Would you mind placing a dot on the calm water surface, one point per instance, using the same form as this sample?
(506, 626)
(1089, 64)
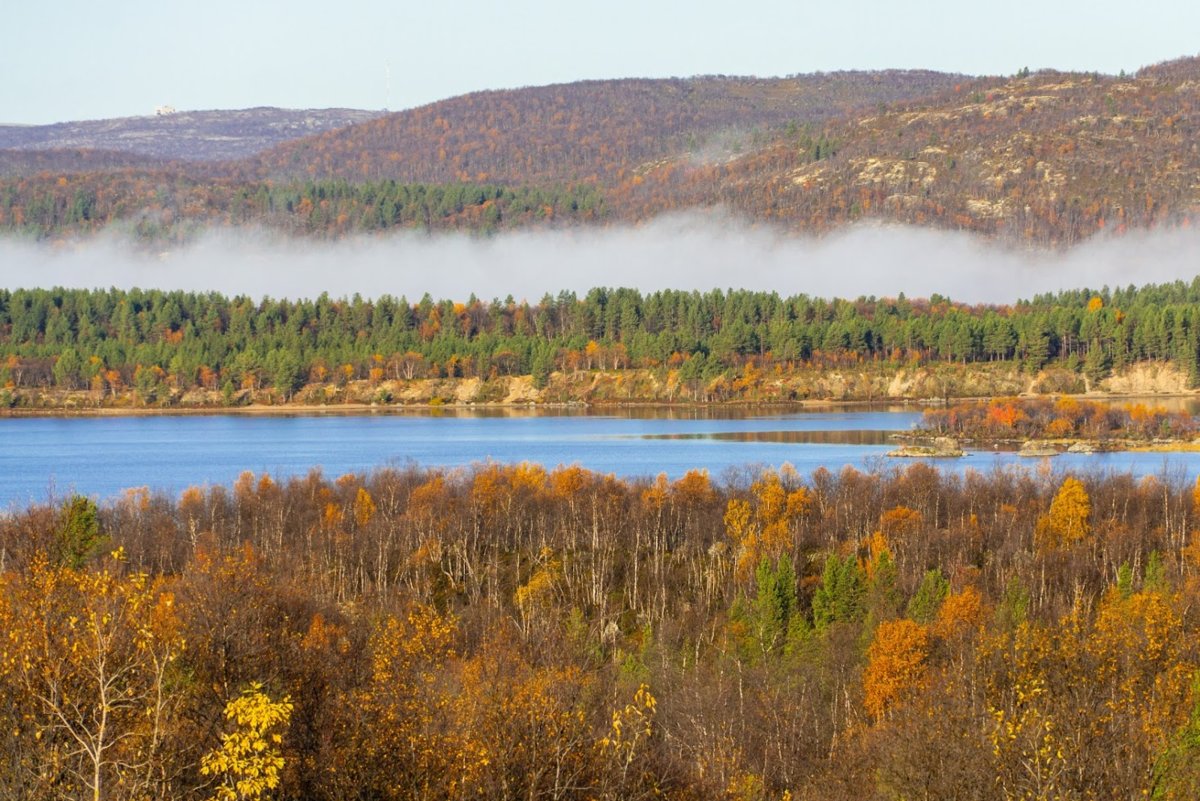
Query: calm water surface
(101, 456)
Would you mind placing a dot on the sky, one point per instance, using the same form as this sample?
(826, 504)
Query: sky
(79, 59)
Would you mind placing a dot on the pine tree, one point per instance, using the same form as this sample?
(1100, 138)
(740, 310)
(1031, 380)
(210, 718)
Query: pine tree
(924, 606)
(78, 532)
(842, 595)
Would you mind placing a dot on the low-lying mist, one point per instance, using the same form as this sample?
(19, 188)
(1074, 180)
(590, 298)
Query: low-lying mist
(672, 253)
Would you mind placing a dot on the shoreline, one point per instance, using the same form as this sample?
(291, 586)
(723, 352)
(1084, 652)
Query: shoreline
(527, 406)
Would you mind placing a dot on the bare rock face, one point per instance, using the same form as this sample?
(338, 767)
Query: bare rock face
(1148, 379)
(1081, 447)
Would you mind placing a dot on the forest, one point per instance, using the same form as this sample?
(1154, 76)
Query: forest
(509, 631)
(153, 208)
(162, 344)
(1045, 159)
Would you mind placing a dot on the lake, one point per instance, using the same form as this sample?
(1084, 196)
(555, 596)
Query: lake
(101, 456)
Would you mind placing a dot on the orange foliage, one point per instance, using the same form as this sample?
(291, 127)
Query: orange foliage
(895, 664)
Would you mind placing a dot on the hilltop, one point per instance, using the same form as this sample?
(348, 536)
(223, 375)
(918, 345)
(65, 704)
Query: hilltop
(189, 135)
(585, 131)
(1049, 158)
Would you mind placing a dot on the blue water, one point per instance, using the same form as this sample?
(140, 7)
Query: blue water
(100, 456)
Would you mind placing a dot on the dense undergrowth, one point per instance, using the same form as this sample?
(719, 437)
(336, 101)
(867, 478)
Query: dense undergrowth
(512, 632)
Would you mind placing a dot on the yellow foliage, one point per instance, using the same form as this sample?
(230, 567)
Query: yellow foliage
(566, 482)
(694, 488)
(1137, 644)
(1025, 740)
(764, 529)
(248, 760)
(539, 591)
(656, 495)
(88, 653)
(900, 521)
(528, 476)
(520, 726)
(332, 516)
(404, 704)
(364, 507)
(631, 726)
(877, 546)
(1067, 522)
(960, 612)
(895, 663)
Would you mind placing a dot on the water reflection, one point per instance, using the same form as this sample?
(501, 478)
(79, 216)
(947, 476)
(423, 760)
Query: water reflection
(815, 437)
(625, 412)
(103, 455)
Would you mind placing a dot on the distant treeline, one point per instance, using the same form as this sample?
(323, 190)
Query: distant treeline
(153, 340)
(1061, 418)
(512, 632)
(159, 206)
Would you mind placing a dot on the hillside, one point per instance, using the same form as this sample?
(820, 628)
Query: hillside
(17, 164)
(1045, 159)
(188, 135)
(1049, 158)
(591, 130)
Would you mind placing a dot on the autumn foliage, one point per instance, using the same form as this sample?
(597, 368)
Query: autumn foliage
(1061, 418)
(512, 631)
(1047, 159)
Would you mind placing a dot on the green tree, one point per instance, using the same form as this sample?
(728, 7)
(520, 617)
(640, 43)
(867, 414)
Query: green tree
(774, 603)
(1177, 770)
(78, 537)
(66, 369)
(841, 598)
(924, 606)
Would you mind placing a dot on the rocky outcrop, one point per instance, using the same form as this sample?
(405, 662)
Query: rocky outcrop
(1037, 449)
(942, 448)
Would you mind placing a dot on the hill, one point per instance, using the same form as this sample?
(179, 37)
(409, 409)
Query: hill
(1048, 158)
(1045, 159)
(585, 131)
(188, 135)
(15, 164)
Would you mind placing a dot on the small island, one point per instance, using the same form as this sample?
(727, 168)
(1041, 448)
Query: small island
(940, 448)
(1040, 427)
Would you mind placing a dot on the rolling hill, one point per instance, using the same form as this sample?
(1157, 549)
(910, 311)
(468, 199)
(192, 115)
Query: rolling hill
(1048, 158)
(586, 131)
(1045, 159)
(188, 135)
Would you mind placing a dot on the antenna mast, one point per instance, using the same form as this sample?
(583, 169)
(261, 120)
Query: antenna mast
(388, 72)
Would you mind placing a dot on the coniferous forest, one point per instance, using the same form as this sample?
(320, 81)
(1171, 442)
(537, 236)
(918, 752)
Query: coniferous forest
(712, 346)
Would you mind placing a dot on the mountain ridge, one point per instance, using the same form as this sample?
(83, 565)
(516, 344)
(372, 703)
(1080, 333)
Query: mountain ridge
(1044, 158)
(202, 135)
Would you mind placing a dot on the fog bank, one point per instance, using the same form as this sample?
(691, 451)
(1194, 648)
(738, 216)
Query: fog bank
(684, 252)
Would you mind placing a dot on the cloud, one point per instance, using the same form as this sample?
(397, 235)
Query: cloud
(699, 252)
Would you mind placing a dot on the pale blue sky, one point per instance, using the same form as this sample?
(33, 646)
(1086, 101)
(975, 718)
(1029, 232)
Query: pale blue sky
(82, 59)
